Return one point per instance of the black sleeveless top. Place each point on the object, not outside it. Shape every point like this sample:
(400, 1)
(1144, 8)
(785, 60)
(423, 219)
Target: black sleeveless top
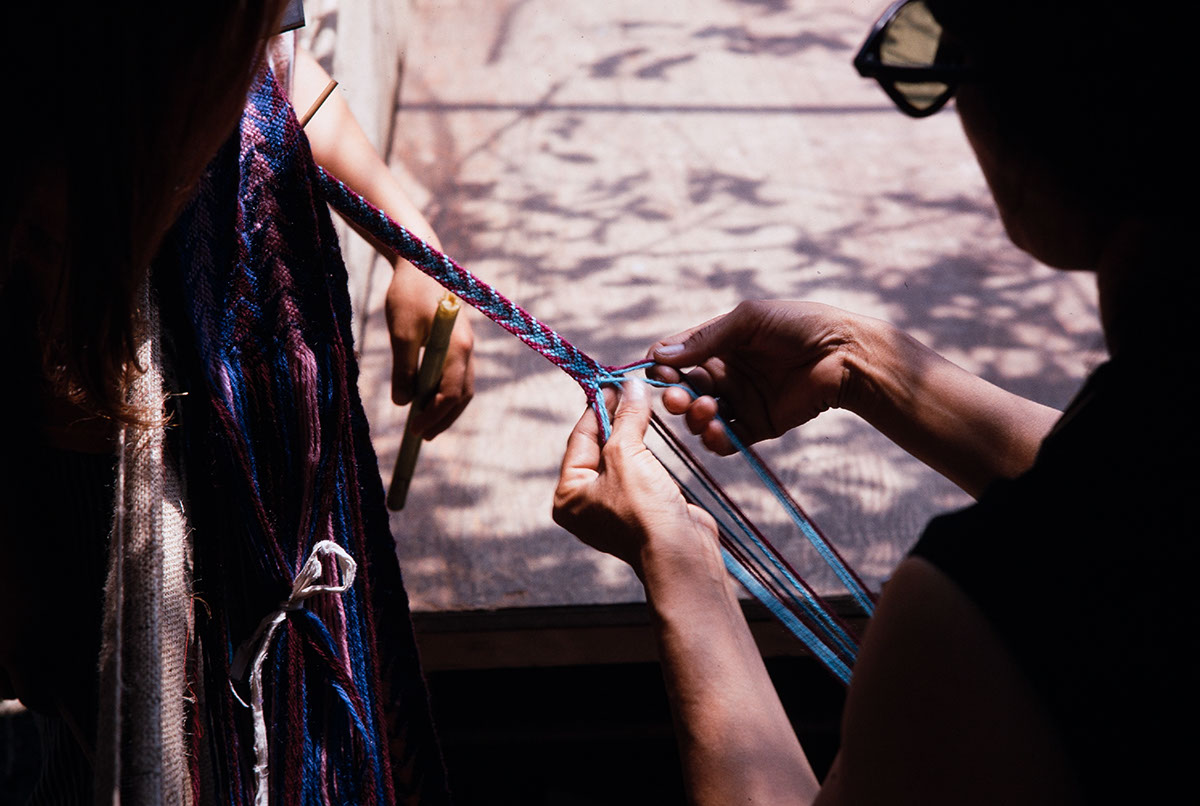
(1085, 567)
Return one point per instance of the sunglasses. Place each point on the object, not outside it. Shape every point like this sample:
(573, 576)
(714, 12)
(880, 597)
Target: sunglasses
(915, 64)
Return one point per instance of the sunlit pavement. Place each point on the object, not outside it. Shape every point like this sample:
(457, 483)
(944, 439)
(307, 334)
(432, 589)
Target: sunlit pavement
(627, 169)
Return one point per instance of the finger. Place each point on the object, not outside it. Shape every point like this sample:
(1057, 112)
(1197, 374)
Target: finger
(676, 400)
(611, 396)
(632, 416)
(700, 380)
(448, 420)
(693, 347)
(671, 346)
(467, 395)
(439, 415)
(582, 454)
(454, 392)
(405, 354)
(717, 379)
(425, 422)
(716, 438)
(663, 373)
(702, 412)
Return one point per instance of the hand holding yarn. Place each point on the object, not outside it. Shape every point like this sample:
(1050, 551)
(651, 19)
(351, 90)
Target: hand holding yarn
(618, 498)
(772, 365)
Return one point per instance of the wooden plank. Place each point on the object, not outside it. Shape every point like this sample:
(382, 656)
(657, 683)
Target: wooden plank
(577, 635)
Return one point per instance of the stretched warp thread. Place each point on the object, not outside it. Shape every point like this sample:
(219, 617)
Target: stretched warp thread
(747, 553)
(754, 562)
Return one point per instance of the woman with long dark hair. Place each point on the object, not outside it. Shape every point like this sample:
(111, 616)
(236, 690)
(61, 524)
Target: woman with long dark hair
(187, 455)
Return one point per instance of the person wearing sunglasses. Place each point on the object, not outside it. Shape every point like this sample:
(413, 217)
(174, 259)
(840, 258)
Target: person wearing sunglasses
(1032, 648)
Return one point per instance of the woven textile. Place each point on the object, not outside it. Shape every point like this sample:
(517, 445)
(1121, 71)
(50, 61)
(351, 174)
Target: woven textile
(276, 458)
(147, 613)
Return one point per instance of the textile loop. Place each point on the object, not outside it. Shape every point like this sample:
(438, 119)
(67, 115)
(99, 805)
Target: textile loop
(303, 587)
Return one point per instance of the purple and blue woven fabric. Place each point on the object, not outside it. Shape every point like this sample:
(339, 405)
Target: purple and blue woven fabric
(277, 457)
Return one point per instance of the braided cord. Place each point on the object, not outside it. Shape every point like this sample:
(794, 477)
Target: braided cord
(487, 300)
(748, 555)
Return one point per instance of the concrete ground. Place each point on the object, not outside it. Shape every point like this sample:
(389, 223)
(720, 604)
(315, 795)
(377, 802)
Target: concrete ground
(627, 169)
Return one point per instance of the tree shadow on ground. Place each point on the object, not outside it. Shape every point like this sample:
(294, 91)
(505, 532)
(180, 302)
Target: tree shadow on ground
(608, 248)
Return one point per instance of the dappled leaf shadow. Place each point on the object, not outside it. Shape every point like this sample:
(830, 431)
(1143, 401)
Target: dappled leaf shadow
(616, 227)
(609, 65)
(774, 6)
(736, 39)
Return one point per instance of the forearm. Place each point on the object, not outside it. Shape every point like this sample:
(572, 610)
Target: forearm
(967, 429)
(340, 146)
(736, 743)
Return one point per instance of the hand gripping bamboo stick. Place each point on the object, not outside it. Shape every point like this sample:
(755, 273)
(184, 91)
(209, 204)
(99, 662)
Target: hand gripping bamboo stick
(428, 377)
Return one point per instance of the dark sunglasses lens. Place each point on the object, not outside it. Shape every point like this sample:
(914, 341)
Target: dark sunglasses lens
(923, 95)
(913, 39)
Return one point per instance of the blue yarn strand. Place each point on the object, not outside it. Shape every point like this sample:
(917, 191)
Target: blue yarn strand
(844, 575)
(795, 590)
(774, 601)
(837, 643)
(822, 546)
(832, 662)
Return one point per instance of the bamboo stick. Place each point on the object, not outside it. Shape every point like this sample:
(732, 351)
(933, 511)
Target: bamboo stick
(312, 110)
(428, 377)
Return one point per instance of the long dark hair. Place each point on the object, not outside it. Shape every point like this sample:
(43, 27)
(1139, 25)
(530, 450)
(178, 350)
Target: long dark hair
(115, 107)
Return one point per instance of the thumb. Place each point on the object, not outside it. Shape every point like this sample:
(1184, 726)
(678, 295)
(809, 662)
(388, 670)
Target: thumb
(633, 413)
(693, 347)
(405, 358)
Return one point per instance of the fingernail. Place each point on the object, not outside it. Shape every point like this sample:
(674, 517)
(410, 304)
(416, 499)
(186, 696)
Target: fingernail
(633, 390)
(668, 350)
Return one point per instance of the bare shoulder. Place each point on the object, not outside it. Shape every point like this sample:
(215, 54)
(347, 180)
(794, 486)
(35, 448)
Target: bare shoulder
(938, 712)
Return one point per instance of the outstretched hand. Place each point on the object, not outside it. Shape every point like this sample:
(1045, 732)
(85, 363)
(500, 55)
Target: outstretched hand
(617, 498)
(771, 365)
(412, 301)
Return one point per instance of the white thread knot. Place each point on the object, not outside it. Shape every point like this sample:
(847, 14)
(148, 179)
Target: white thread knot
(303, 587)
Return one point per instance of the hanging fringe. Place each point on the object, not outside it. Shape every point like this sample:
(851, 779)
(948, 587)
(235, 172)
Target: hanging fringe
(304, 587)
(141, 749)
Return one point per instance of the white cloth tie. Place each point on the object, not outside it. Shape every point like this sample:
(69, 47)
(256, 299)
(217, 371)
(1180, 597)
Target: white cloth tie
(303, 587)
